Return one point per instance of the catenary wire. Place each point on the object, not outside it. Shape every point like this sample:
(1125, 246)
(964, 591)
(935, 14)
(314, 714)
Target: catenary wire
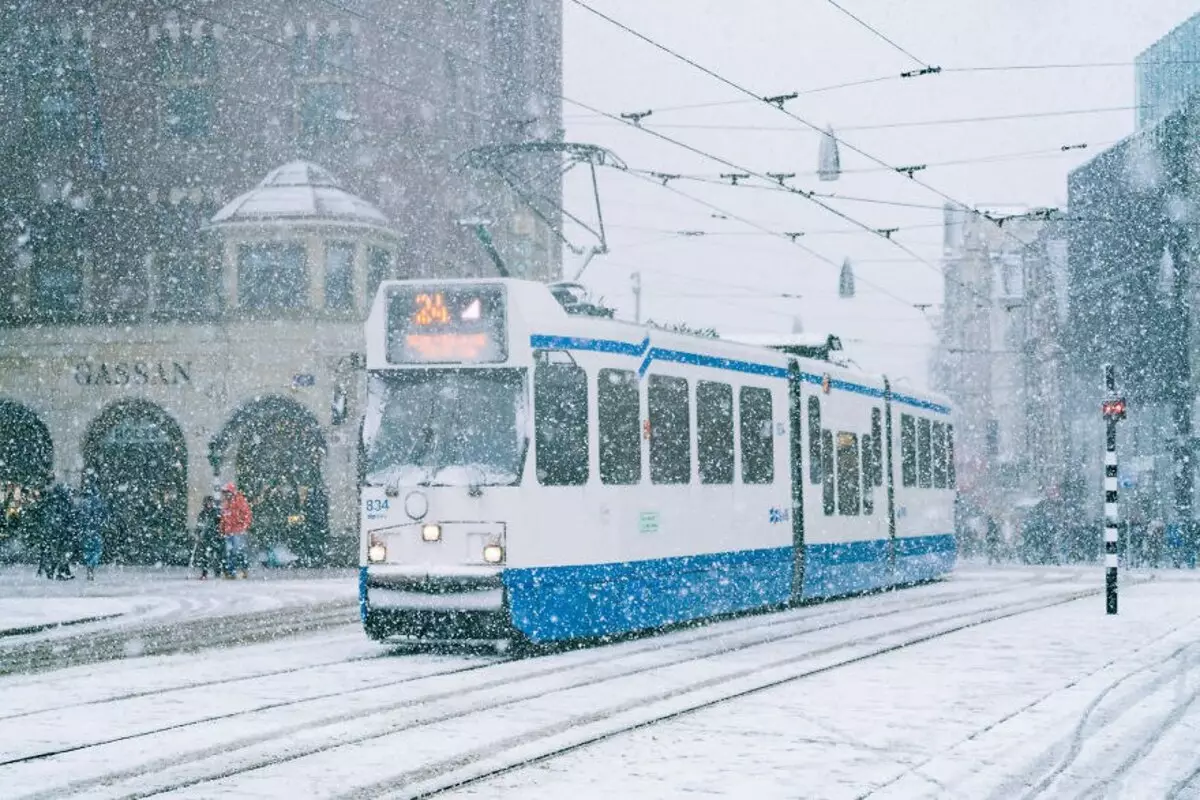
(876, 31)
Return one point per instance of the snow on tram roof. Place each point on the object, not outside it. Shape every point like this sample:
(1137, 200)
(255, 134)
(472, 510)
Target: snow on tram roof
(786, 339)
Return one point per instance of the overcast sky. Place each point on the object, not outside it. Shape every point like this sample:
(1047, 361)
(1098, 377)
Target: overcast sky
(732, 278)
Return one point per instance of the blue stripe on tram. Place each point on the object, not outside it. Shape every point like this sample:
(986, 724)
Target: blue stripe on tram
(552, 603)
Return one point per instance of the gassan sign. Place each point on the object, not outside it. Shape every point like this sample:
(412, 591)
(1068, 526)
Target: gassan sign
(133, 373)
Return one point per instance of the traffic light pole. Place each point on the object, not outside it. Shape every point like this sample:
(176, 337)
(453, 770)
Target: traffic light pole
(1114, 411)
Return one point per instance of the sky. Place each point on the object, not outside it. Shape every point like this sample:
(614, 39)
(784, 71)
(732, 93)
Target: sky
(735, 276)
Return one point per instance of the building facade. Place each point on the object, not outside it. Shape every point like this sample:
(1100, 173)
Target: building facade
(169, 322)
(992, 333)
(1132, 298)
(1168, 73)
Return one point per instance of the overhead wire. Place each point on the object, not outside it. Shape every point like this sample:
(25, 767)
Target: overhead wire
(677, 143)
(877, 32)
(779, 106)
(590, 120)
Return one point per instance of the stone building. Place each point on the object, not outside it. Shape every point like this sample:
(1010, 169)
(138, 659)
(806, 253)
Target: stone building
(163, 326)
(981, 360)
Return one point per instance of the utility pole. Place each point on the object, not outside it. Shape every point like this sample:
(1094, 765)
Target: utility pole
(636, 280)
(1113, 408)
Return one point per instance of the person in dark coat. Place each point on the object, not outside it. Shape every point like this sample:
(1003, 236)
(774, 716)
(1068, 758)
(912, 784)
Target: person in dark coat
(58, 533)
(90, 515)
(993, 541)
(209, 549)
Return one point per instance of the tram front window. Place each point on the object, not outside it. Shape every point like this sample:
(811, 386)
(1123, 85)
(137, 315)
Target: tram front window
(445, 428)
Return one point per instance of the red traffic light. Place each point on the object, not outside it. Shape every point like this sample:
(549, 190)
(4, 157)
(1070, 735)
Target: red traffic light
(1114, 409)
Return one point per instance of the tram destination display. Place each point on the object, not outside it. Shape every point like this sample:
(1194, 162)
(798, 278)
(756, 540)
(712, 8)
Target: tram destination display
(446, 325)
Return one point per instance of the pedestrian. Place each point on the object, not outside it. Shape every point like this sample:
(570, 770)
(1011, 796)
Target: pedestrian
(208, 548)
(1174, 536)
(1154, 543)
(235, 524)
(58, 533)
(90, 515)
(993, 541)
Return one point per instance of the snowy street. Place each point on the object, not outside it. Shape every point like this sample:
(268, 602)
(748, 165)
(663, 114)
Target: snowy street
(1038, 693)
(141, 611)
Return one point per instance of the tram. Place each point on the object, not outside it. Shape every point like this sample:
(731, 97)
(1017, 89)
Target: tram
(531, 471)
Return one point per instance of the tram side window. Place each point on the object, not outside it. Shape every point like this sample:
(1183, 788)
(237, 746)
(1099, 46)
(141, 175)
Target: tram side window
(951, 474)
(828, 489)
(561, 423)
(714, 432)
(814, 440)
(670, 430)
(869, 466)
(758, 448)
(908, 450)
(938, 445)
(924, 457)
(620, 438)
(849, 479)
(876, 447)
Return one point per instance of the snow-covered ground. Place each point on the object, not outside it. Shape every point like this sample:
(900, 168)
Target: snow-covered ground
(997, 683)
(27, 600)
(134, 611)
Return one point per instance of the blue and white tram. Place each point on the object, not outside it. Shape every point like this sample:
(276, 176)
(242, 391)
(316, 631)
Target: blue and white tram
(532, 473)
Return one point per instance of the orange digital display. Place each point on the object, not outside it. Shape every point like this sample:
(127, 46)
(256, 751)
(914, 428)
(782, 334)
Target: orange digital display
(446, 324)
(430, 310)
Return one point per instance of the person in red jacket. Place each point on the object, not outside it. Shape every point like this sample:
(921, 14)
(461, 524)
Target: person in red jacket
(235, 523)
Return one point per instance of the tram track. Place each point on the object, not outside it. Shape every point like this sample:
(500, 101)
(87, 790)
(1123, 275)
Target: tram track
(167, 637)
(442, 700)
(832, 614)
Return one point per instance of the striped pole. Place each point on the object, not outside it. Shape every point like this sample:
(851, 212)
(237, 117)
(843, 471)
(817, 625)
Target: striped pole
(1112, 414)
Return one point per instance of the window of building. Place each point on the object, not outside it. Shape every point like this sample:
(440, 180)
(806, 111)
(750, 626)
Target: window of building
(188, 70)
(876, 447)
(185, 283)
(560, 399)
(339, 275)
(991, 435)
(619, 412)
(59, 253)
(670, 430)
(322, 72)
(828, 475)
(849, 479)
(714, 432)
(868, 493)
(951, 470)
(59, 118)
(938, 448)
(908, 450)
(814, 440)
(272, 276)
(758, 446)
(379, 269)
(924, 456)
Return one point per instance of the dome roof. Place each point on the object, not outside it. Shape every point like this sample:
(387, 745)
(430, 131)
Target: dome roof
(299, 191)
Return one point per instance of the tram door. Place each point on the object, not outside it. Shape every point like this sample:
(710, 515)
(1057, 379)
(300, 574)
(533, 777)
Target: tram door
(796, 477)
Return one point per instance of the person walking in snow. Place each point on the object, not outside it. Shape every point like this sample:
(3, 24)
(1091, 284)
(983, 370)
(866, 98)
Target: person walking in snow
(90, 516)
(1155, 536)
(56, 522)
(209, 548)
(236, 517)
(993, 541)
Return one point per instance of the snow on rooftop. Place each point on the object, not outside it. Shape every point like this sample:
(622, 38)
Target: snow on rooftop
(299, 191)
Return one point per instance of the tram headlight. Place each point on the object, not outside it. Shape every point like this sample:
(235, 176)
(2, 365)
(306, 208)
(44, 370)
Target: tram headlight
(431, 532)
(493, 553)
(377, 552)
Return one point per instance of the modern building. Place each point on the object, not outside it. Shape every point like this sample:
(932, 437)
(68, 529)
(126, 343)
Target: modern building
(1168, 72)
(1132, 295)
(172, 316)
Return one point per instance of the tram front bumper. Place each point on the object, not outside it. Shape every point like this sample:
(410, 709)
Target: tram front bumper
(467, 603)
